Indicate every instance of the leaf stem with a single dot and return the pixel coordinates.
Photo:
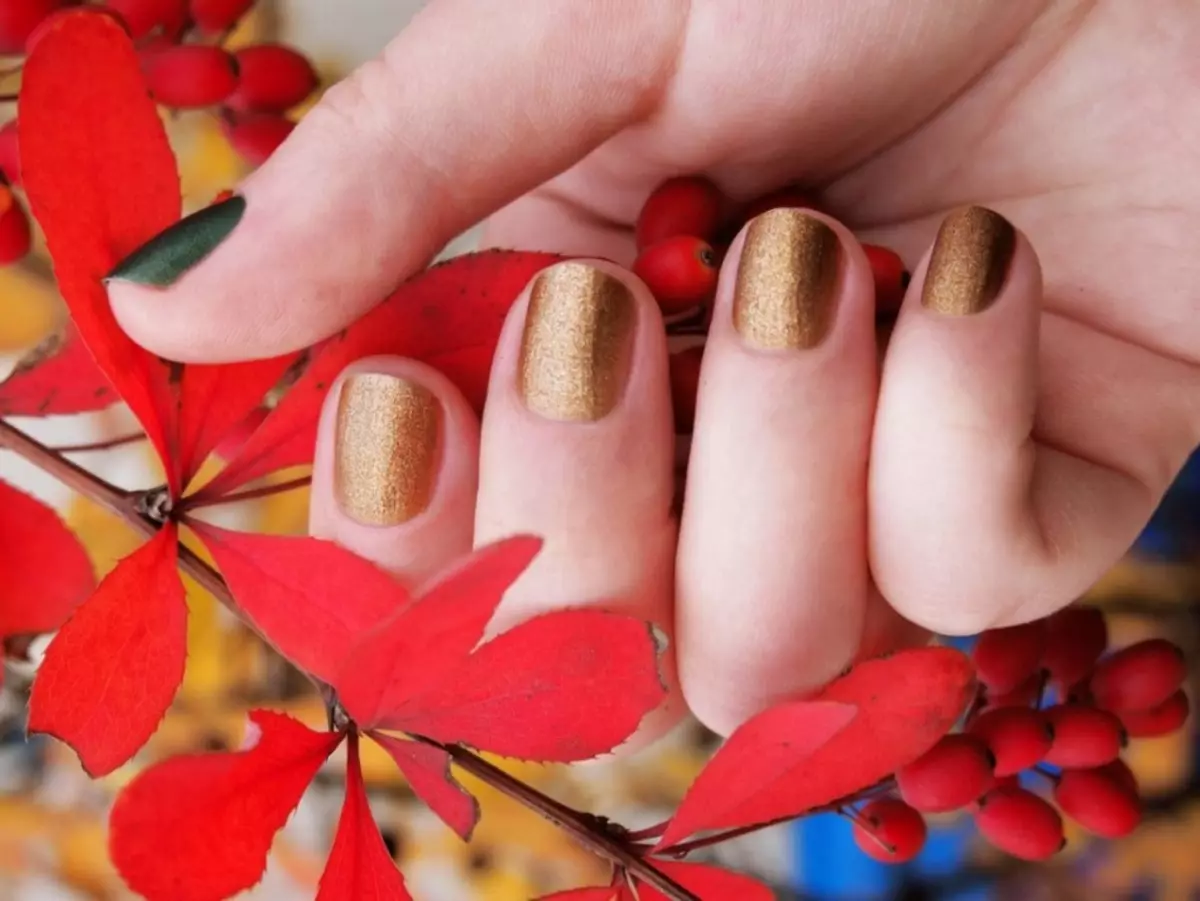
(99, 445)
(570, 821)
(266, 491)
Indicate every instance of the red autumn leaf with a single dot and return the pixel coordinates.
(46, 572)
(199, 827)
(310, 597)
(427, 770)
(101, 180)
(744, 775)
(586, 894)
(707, 882)
(561, 687)
(57, 377)
(213, 400)
(112, 670)
(417, 646)
(359, 866)
(905, 703)
(448, 316)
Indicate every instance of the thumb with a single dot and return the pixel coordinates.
(468, 108)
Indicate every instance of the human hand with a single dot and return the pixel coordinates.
(1014, 452)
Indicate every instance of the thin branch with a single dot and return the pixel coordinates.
(253, 494)
(99, 445)
(570, 821)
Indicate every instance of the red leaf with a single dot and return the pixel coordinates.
(111, 672)
(359, 867)
(707, 882)
(198, 827)
(46, 570)
(448, 316)
(563, 686)
(427, 770)
(905, 703)
(213, 400)
(743, 777)
(101, 180)
(311, 598)
(418, 645)
(609, 893)
(57, 377)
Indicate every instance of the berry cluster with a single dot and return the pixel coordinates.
(187, 67)
(683, 232)
(1053, 703)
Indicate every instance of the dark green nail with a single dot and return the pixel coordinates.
(163, 259)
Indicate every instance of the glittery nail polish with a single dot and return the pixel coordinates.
(388, 443)
(969, 262)
(787, 279)
(577, 343)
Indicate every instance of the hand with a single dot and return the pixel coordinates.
(1027, 420)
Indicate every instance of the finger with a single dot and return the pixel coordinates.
(578, 446)
(977, 519)
(396, 467)
(771, 580)
(395, 161)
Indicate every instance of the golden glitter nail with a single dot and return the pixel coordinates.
(787, 281)
(969, 262)
(387, 448)
(578, 339)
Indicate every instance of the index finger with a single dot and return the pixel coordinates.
(468, 108)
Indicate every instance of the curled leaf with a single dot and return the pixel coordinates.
(427, 770)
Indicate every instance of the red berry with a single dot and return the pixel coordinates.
(1167, 717)
(1075, 639)
(1139, 677)
(679, 206)
(787, 198)
(891, 278)
(1119, 771)
(1018, 737)
(1004, 658)
(218, 16)
(685, 383)
(272, 78)
(1098, 802)
(255, 138)
(891, 831)
(1020, 823)
(681, 272)
(19, 19)
(190, 76)
(1084, 736)
(952, 774)
(15, 234)
(10, 153)
(144, 16)
(1024, 695)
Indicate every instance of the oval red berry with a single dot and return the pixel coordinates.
(272, 78)
(890, 831)
(144, 16)
(681, 273)
(190, 76)
(1083, 736)
(1018, 737)
(255, 138)
(1075, 639)
(1167, 717)
(1139, 677)
(1004, 658)
(1098, 802)
(679, 206)
(218, 16)
(949, 776)
(19, 19)
(1020, 823)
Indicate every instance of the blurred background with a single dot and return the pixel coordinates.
(52, 817)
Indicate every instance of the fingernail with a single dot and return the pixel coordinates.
(969, 262)
(164, 259)
(387, 448)
(787, 281)
(577, 344)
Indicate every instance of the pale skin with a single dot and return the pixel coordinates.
(986, 475)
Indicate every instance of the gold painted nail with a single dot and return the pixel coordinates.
(387, 449)
(578, 339)
(787, 281)
(969, 262)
